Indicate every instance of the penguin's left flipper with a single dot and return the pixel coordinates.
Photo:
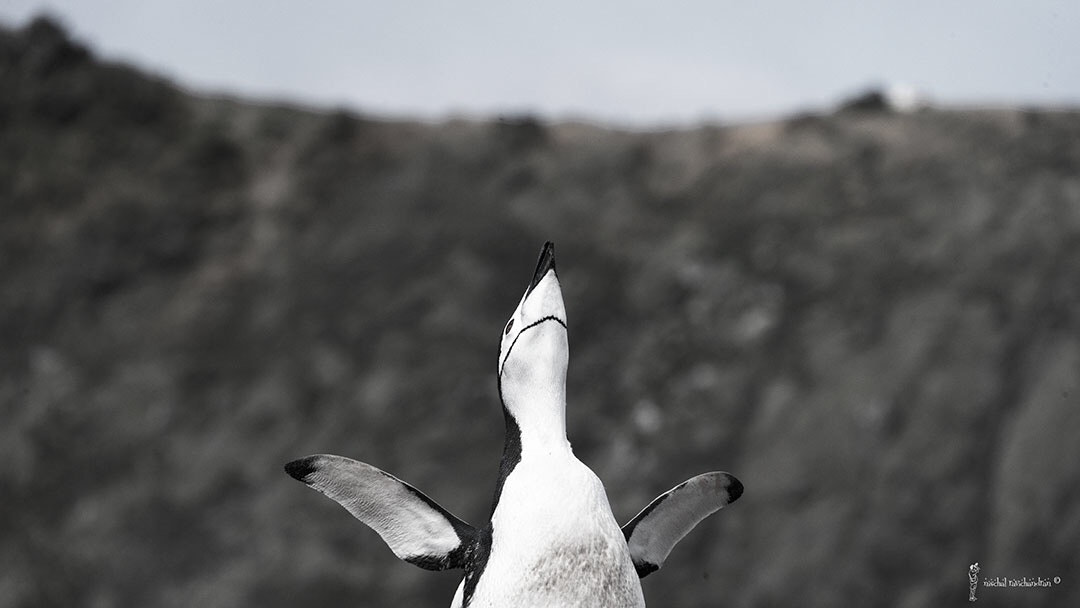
(415, 527)
(669, 517)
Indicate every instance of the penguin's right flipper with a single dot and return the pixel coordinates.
(415, 527)
(653, 532)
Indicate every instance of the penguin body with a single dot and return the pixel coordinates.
(552, 539)
(555, 542)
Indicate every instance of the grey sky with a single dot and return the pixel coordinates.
(629, 62)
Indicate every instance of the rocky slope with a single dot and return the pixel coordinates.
(871, 318)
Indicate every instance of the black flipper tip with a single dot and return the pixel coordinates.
(735, 489)
(300, 469)
(544, 264)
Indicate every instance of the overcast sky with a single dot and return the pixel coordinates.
(629, 62)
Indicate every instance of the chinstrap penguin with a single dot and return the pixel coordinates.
(551, 539)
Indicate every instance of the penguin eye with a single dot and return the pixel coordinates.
(509, 326)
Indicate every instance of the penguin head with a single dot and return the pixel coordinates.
(534, 348)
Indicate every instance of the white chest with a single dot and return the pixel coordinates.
(556, 543)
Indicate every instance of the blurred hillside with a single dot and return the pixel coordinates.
(871, 318)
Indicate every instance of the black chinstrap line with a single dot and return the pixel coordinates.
(541, 320)
(523, 330)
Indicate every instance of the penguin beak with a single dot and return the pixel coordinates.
(543, 298)
(543, 265)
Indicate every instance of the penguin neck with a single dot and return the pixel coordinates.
(535, 429)
(538, 417)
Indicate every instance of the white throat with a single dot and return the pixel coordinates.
(533, 386)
